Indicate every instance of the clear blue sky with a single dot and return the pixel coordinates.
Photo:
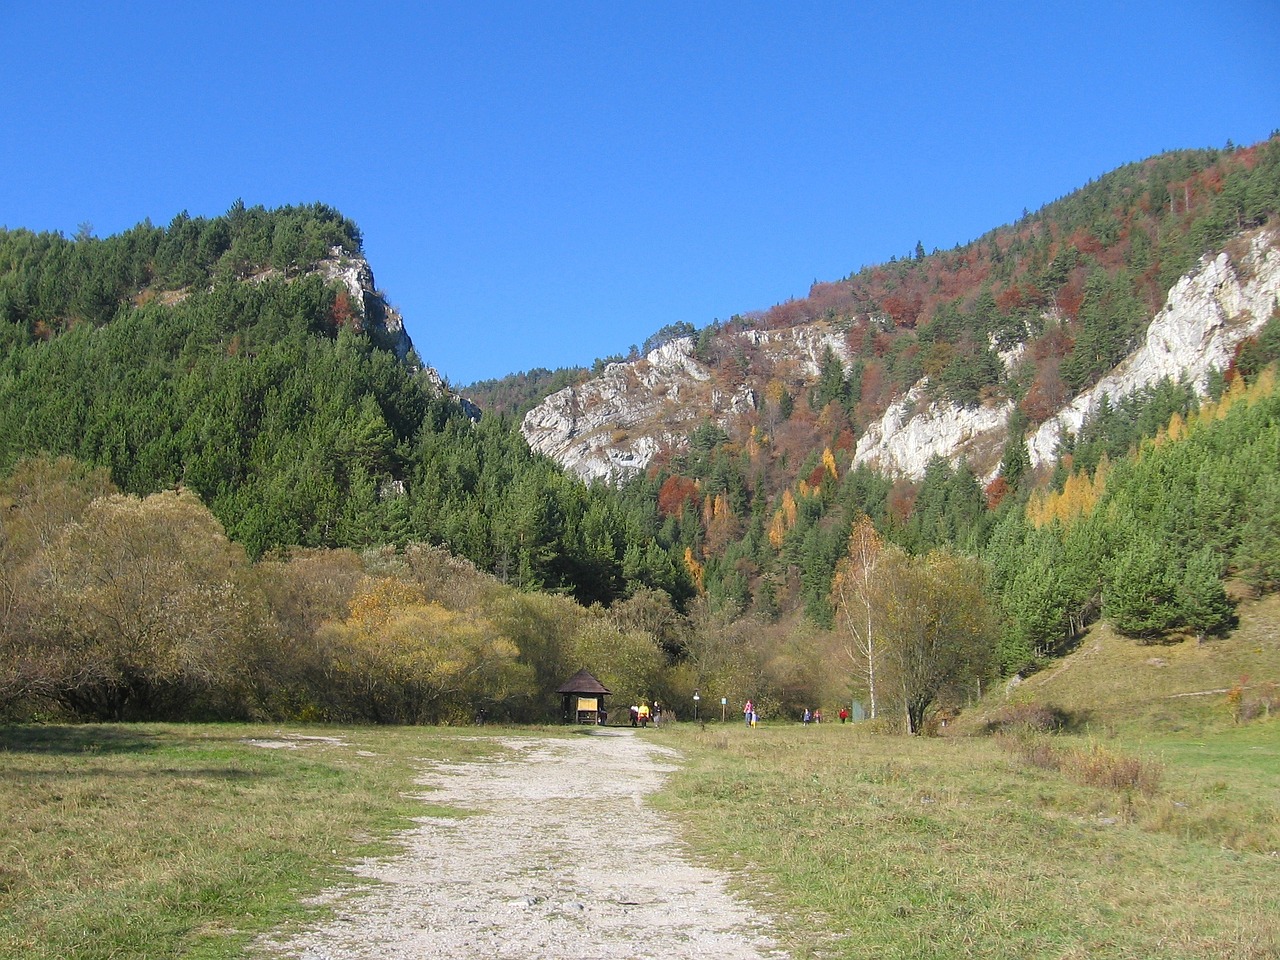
(543, 184)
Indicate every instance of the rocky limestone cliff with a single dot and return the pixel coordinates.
(586, 428)
(611, 427)
(1208, 312)
(381, 321)
(912, 432)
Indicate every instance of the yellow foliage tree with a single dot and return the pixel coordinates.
(695, 568)
(784, 518)
(403, 660)
(857, 594)
(1078, 498)
(150, 606)
(829, 461)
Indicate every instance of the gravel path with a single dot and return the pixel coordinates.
(541, 871)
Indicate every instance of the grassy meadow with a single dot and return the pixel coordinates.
(1151, 828)
(874, 846)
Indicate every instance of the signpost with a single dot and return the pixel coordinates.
(696, 698)
(724, 702)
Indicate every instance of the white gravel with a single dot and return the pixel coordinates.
(561, 860)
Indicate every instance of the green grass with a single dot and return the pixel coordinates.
(886, 847)
(1112, 683)
(185, 841)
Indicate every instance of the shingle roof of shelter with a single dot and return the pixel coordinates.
(582, 682)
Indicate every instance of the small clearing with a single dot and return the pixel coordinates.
(543, 867)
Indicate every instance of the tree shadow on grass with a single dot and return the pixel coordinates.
(75, 740)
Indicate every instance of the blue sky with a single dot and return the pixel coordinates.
(542, 184)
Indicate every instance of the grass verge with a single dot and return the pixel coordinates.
(908, 848)
(186, 841)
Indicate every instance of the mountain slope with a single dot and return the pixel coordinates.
(936, 350)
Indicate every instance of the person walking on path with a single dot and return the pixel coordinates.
(749, 713)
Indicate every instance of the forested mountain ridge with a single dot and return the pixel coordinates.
(935, 392)
(931, 354)
(249, 359)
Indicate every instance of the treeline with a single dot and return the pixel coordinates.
(49, 283)
(305, 457)
(1146, 541)
(1180, 498)
(516, 394)
(119, 607)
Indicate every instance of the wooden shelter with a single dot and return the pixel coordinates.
(583, 698)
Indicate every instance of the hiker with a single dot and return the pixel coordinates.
(749, 713)
(844, 714)
(644, 715)
(635, 714)
(657, 713)
(805, 717)
(817, 715)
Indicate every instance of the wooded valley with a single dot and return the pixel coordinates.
(224, 497)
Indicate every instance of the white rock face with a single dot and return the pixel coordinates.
(585, 428)
(611, 427)
(382, 321)
(904, 440)
(1208, 312)
(804, 345)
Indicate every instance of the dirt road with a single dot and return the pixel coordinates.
(533, 873)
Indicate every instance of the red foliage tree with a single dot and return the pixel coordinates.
(676, 492)
(1047, 393)
(342, 313)
(996, 491)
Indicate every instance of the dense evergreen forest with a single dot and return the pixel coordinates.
(196, 405)
(148, 354)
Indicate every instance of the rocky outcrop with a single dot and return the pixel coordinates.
(610, 428)
(381, 321)
(1207, 313)
(588, 429)
(912, 432)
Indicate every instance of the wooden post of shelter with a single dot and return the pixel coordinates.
(583, 699)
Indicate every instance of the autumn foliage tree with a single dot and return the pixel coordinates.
(150, 611)
(939, 628)
(398, 658)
